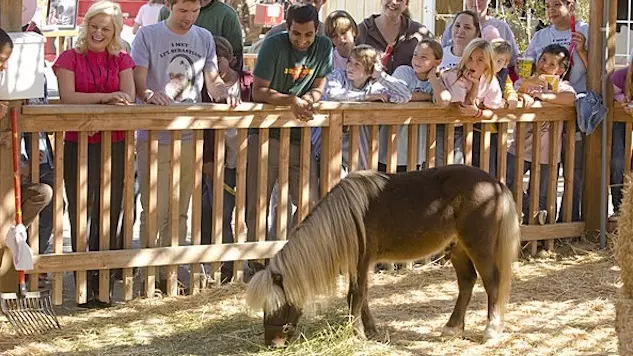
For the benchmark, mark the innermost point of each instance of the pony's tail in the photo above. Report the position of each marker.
(507, 245)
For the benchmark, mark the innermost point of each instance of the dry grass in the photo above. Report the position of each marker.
(559, 306)
(624, 324)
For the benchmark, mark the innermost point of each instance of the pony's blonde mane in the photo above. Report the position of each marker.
(329, 241)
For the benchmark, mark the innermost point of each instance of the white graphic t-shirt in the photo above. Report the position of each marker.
(175, 64)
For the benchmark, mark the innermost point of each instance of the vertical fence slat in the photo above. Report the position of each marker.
(449, 145)
(627, 147)
(484, 149)
(392, 148)
(412, 147)
(34, 232)
(282, 184)
(556, 129)
(195, 277)
(58, 214)
(324, 165)
(518, 173)
(373, 147)
(468, 144)
(218, 195)
(568, 170)
(335, 148)
(262, 202)
(240, 196)
(174, 210)
(304, 174)
(152, 205)
(431, 145)
(82, 195)
(104, 208)
(535, 178)
(502, 152)
(354, 138)
(128, 212)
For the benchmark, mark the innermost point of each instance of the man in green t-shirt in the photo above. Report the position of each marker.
(221, 20)
(290, 71)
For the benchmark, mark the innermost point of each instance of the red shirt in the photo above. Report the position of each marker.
(95, 72)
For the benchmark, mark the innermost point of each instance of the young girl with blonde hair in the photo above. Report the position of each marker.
(473, 86)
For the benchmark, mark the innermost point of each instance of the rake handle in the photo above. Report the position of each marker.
(16, 185)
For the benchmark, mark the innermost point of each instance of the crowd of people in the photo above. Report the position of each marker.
(193, 53)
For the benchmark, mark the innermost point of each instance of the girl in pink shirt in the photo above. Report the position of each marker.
(96, 71)
(472, 84)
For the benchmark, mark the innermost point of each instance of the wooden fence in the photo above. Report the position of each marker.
(332, 117)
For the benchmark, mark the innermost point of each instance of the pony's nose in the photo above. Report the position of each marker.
(278, 341)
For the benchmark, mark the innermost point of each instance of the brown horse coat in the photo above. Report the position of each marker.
(371, 217)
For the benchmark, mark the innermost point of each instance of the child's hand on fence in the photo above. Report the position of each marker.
(527, 100)
(626, 107)
(468, 110)
(377, 97)
(513, 102)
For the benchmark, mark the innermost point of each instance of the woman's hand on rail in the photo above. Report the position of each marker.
(119, 98)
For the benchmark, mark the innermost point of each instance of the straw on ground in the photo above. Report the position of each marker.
(559, 306)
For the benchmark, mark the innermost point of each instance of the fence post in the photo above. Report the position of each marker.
(10, 21)
(591, 195)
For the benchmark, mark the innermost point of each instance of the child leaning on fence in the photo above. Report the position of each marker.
(474, 88)
(421, 79)
(622, 80)
(363, 80)
(546, 85)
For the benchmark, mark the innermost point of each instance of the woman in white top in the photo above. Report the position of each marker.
(464, 29)
(147, 14)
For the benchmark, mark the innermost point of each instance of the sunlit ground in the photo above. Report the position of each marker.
(560, 305)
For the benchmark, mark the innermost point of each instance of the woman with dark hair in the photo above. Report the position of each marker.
(464, 29)
(392, 32)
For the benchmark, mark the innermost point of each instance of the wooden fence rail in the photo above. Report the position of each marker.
(331, 118)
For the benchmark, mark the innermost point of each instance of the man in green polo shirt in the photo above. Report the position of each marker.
(221, 20)
(291, 69)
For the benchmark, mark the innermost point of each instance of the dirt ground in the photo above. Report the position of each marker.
(561, 304)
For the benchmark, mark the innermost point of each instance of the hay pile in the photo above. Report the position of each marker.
(624, 257)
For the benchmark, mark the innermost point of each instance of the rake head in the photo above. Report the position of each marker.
(29, 313)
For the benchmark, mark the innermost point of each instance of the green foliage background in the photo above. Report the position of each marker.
(522, 30)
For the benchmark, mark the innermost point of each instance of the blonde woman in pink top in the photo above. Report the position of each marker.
(96, 71)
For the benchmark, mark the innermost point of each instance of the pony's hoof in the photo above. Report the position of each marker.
(491, 334)
(371, 333)
(451, 332)
(360, 335)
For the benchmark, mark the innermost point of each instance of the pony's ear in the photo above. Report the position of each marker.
(277, 279)
(256, 266)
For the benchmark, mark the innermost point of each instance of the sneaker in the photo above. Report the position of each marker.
(614, 217)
